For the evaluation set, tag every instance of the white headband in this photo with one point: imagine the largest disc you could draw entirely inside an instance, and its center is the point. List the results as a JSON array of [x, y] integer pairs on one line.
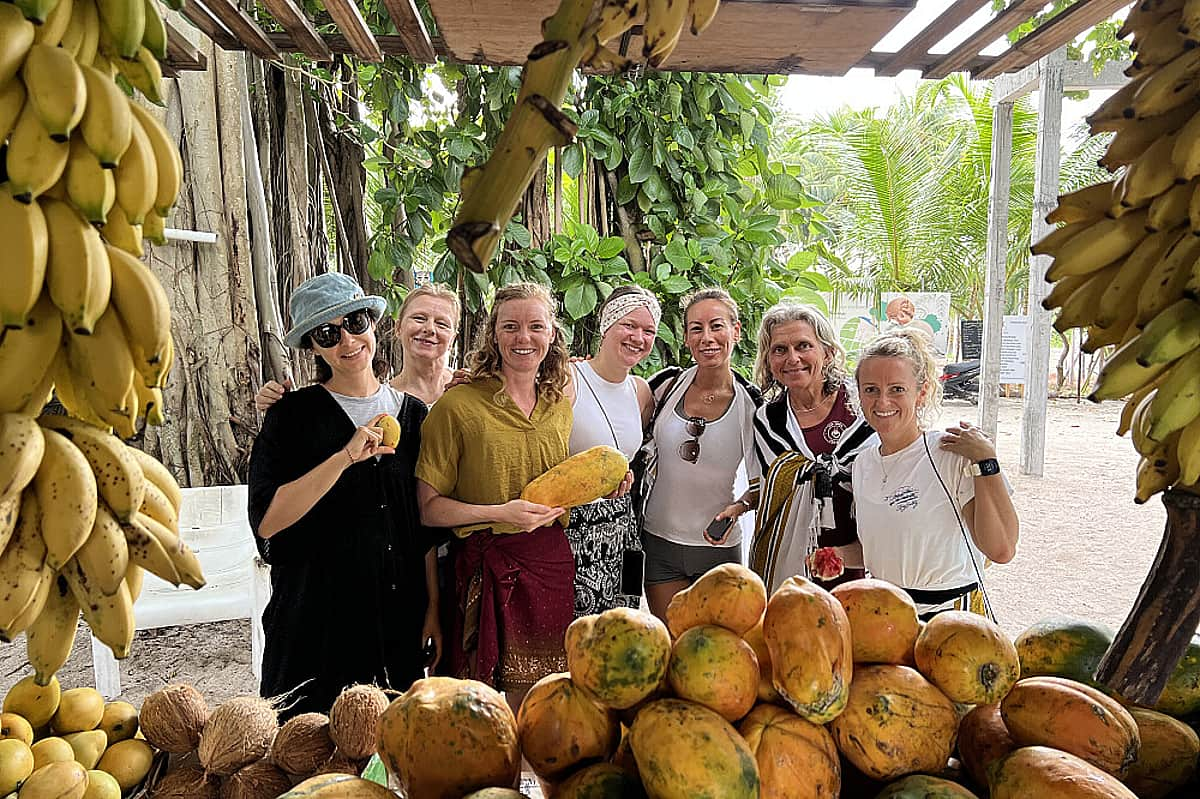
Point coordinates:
[[624, 305]]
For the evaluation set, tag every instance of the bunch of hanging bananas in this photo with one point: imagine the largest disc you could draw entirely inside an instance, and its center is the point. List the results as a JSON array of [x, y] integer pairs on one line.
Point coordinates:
[[1126, 263], [81, 515], [85, 174], [576, 33]]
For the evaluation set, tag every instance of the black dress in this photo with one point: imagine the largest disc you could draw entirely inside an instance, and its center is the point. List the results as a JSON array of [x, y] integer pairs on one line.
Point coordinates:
[[348, 580]]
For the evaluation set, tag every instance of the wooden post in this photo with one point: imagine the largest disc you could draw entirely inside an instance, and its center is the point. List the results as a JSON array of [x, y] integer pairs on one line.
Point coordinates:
[[997, 258], [1163, 620], [1045, 197]]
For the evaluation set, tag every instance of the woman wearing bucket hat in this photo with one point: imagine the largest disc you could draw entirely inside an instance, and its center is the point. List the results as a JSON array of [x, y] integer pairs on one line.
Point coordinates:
[[354, 583]]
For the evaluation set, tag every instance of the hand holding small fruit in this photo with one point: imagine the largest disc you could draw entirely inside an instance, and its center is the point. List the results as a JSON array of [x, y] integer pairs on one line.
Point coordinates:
[[365, 443]]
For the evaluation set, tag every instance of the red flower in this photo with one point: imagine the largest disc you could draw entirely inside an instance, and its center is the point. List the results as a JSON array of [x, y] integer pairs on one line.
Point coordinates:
[[826, 564]]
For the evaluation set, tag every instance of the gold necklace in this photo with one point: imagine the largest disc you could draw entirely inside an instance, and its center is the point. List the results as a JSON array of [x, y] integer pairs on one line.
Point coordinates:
[[821, 402]]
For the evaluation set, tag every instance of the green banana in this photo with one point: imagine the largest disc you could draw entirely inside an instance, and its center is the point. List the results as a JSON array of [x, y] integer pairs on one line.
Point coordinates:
[[1170, 335], [123, 23], [57, 21], [1177, 401], [36, 11], [154, 35]]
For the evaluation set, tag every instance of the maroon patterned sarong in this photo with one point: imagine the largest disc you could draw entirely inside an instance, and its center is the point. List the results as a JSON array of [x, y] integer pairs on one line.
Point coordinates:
[[515, 599]]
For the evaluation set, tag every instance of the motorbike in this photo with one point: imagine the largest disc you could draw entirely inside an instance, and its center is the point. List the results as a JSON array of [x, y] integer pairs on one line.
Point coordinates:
[[961, 381]]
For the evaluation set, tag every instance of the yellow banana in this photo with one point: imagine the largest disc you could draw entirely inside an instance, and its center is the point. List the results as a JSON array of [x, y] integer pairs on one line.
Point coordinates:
[[1189, 453], [1115, 113], [21, 566], [143, 307], [90, 187], [1160, 44], [35, 162], [1125, 423], [1122, 291], [102, 364], [107, 124], [102, 64], [151, 402], [156, 505], [57, 21], [89, 44], [49, 640], [1088, 204], [1133, 138], [337, 786], [1079, 309], [76, 30], [77, 271], [1098, 246], [36, 11], [703, 12], [1157, 471], [1062, 290], [55, 89], [1189, 22], [9, 509], [123, 23], [146, 551], [133, 579], [1177, 401], [12, 100], [167, 161], [1122, 374], [154, 36], [1170, 209], [182, 558], [1139, 428], [168, 362], [1173, 333], [615, 17], [16, 37], [70, 396], [1185, 156], [33, 607], [137, 176], [143, 74], [26, 356], [23, 267], [662, 28], [1150, 175], [154, 229], [1053, 241], [1118, 332], [119, 477], [66, 495], [1164, 285], [104, 556], [118, 232], [110, 617], [1170, 86], [158, 474], [1144, 14], [21, 449]]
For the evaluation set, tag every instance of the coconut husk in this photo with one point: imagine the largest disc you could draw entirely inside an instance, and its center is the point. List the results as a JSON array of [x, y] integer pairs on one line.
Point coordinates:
[[185, 782], [303, 744], [237, 734], [340, 763], [259, 780], [354, 720], [172, 718]]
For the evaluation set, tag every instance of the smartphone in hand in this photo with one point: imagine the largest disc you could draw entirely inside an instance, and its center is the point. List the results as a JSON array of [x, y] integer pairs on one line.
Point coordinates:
[[718, 529]]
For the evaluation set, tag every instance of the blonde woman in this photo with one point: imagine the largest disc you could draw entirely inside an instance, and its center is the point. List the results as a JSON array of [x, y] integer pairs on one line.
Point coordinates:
[[930, 504], [482, 443]]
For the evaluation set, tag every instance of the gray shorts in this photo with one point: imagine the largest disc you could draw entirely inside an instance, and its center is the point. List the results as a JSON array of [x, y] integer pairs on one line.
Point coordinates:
[[667, 561]]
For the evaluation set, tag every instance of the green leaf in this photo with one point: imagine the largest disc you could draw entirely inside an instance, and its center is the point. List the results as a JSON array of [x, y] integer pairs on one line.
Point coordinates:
[[519, 233], [676, 284], [641, 165], [580, 300], [573, 160], [802, 260], [676, 252], [784, 192], [610, 247], [684, 137], [626, 191]]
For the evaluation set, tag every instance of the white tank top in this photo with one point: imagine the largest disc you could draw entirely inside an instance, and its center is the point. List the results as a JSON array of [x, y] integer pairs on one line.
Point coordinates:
[[605, 413]]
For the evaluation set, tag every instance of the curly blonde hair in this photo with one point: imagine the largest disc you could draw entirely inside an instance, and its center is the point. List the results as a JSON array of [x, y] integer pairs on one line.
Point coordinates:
[[913, 346], [485, 359], [834, 375]]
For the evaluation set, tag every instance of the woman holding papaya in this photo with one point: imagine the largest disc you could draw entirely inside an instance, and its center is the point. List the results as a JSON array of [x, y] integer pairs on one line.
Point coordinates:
[[484, 441], [354, 583]]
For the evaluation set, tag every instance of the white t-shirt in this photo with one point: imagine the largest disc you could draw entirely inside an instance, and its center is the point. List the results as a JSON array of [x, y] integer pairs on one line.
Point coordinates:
[[363, 409], [603, 410], [907, 525], [686, 496]]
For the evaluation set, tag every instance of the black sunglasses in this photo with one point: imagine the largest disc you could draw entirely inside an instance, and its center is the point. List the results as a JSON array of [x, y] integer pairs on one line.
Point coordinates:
[[328, 335], [690, 449]]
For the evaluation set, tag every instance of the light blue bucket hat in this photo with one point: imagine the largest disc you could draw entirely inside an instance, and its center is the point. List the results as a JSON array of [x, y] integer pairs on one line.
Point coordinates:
[[324, 298]]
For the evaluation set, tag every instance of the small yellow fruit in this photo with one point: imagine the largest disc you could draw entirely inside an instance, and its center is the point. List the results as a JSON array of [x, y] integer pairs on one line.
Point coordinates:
[[79, 710], [102, 785], [129, 761], [16, 763], [88, 746], [120, 721], [390, 429], [36, 703], [51, 750], [67, 780], [14, 726]]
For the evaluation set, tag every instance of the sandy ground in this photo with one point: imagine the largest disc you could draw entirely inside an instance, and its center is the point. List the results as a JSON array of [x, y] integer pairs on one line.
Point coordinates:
[[1085, 548]]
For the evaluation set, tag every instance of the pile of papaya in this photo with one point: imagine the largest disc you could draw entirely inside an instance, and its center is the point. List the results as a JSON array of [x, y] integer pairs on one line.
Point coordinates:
[[805, 694]]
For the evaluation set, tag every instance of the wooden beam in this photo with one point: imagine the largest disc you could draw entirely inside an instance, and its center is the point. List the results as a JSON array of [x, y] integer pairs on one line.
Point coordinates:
[[997, 26], [352, 25], [181, 53], [238, 23], [996, 261], [877, 61], [210, 26], [300, 28], [1045, 198], [946, 23], [1051, 35], [411, 28]]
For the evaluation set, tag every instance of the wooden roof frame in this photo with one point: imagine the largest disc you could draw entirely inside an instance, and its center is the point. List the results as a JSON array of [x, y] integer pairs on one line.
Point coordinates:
[[232, 28]]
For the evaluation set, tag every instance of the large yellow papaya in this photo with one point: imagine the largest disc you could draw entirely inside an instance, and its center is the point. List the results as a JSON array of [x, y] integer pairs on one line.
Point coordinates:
[[796, 758], [808, 635], [712, 666], [729, 596], [883, 620], [685, 751], [1167, 757], [560, 728], [618, 656], [968, 657], [580, 479], [1039, 771]]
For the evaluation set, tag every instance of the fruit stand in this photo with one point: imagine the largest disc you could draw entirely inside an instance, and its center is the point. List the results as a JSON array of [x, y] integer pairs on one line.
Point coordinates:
[[802, 693]]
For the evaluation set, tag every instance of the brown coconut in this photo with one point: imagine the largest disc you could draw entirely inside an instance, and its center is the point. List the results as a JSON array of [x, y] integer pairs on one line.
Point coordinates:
[[303, 744], [186, 782], [238, 733], [172, 718], [259, 780], [354, 720], [342, 764]]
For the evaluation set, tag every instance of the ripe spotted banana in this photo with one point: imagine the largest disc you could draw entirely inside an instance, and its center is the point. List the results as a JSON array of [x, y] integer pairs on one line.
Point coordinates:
[[77, 271], [703, 12], [156, 473], [21, 450], [104, 556], [110, 617], [146, 551], [119, 478], [9, 510], [156, 505], [616, 17], [66, 496], [661, 31], [23, 269], [22, 566], [49, 640], [186, 564], [26, 357], [143, 307]]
